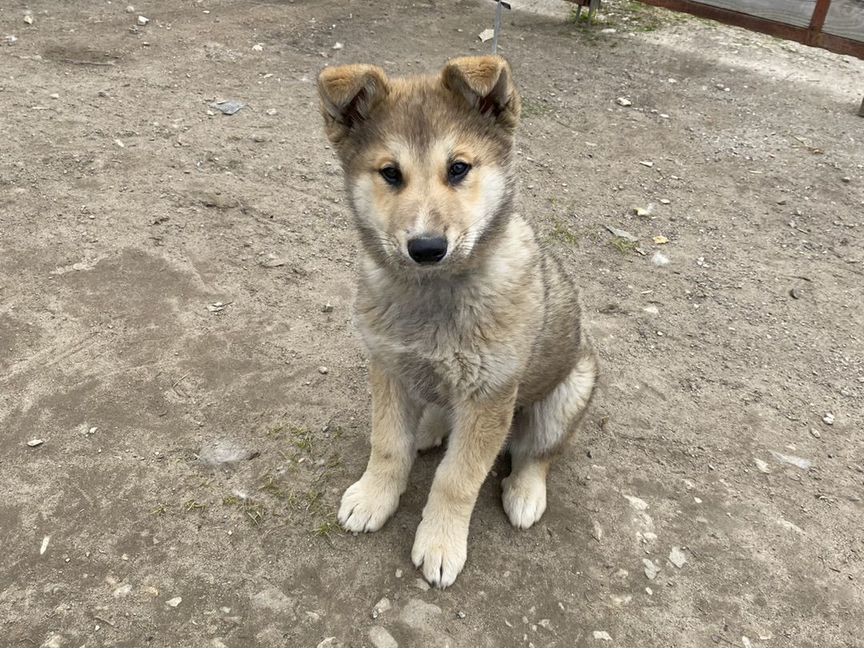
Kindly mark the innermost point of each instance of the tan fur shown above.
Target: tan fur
(488, 341)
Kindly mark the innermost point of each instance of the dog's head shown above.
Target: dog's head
(427, 160)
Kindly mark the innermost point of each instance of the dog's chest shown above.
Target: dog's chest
(438, 348)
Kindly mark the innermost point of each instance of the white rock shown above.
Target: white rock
(651, 570)
(257, 47)
(623, 101)
(677, 557)
(380, 638)
(417, 613)
(143, 20)
(130, 9)
(174, 602)
(659, 259)
(792, 460)
(338, 46)
(381, 607)
(33, 443)
(328, 642)
(124, 590)
(44, 546)
(54, 641)
(28, 19)
(828, 419)
(637, 503)
(761, 465)
(602, 635)
(486, 34)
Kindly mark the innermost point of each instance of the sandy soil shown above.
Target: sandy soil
(176, 285)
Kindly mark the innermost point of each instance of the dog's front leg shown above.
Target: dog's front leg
(479, 431)
(370, 502)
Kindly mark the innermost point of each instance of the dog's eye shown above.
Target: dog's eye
(392, 175)
(457, 172)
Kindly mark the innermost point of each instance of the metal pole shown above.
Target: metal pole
(497, 27)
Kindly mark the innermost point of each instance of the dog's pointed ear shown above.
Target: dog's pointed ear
(486, 83)
(348, 95)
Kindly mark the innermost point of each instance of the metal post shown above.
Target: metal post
(497, 27)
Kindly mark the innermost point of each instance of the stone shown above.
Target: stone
(380, 638)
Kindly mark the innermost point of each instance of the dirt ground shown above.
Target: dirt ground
(175, 292)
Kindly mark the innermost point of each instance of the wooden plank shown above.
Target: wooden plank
(838, 44)
(845, 18)
(789, 12)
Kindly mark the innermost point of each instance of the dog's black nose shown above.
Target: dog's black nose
(427, 249)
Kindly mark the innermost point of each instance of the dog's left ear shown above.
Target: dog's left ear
(349, 93)
(486, 84)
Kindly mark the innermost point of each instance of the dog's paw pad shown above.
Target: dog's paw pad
(524, 501)
(366, 507)
(439, 552)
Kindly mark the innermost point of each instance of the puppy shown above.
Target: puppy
(471, 327)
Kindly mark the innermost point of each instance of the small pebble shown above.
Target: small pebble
(460, 614)
(815, 433)
(174, 602)
(130, 9)
(327, 308)
(794, 293)
(659, 259)
(828, 419)
(651, 570)
(421, 584)
(602, 635)
(846, 179)
(622, 101)
(338, 46)
(381, 607)
(380, 638)
(143, 20)
(34, 443)
(323, 370)
(677, 557)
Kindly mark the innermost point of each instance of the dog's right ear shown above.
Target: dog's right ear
(348, 95)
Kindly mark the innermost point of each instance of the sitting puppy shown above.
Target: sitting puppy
(472, 329)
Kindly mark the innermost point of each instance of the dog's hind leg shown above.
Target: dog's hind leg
(369, 503)
(539, 430)
(434, 426)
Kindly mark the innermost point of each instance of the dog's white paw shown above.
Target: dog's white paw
(367, 505)
(440, 550)
(524, 499)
